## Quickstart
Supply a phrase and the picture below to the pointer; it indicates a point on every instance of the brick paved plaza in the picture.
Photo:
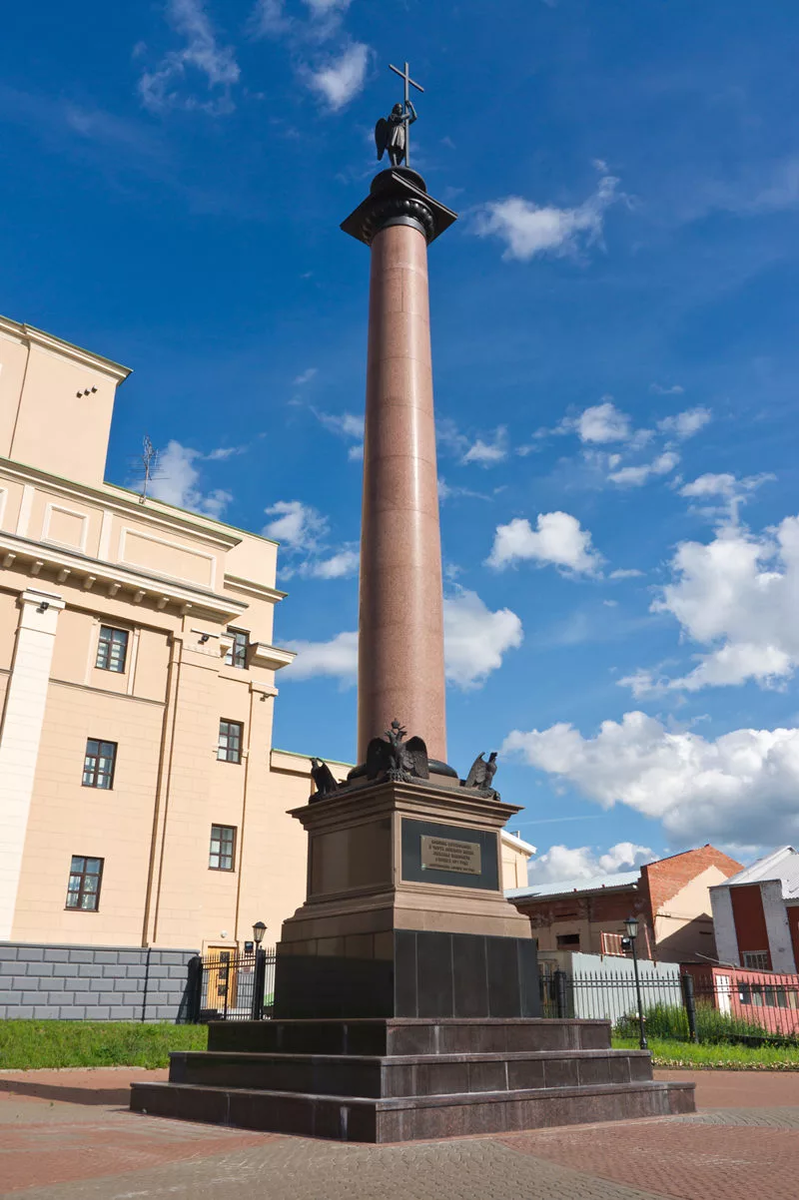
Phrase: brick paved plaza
(66, 1135)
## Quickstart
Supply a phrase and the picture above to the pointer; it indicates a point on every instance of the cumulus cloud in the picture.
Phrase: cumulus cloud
(676, 389)
(171, 84)
(723, 495)
(638, 476)
(685, 424)
(737, 595)
(476, 639)
(725, 790)
(563, 863)
(528, 229)
(345, 425)
(177, 480)
(598, 425)
(626, 573)
(305, 377)
(339, 80)
(475, 642)
(268, 19)
(488, 454)
(298, 526)
(337, 658)
(558, 539)
(340, 565)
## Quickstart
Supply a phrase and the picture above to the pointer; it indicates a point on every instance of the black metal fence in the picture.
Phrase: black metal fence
(230, 985)
(712, 1007)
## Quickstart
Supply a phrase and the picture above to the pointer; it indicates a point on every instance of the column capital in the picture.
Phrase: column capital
(398, 197)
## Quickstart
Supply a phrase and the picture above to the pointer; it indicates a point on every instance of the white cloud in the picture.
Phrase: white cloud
(638, 476)
(267, 19)
(341, 78)
(626, 573)
(686, 424)
(339, 566)
(177, 479)
(675, 390)
(170, 84)
(528, 229)
(355, 453)
(582, 862)
(346, 425)
(598, 425)
(322, 8)
(729, 789)
(475, 641)
(305, 376)
(729, 492)
(488, 454)
(298, 526)
(338, 657)
(558, 539)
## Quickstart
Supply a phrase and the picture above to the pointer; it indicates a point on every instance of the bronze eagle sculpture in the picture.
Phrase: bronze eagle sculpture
(324, 780)
(481, 774)
(393, 758)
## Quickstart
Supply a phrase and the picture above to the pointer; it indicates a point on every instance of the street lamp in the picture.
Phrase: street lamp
(631, 925)
(259, 978)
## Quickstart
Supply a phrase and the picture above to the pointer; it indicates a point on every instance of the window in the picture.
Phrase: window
(83, 890)
(567, 940)
(112, 649)
(229, 749)
(756, 960)
(223, 848)
(237, 654)
(98, 766)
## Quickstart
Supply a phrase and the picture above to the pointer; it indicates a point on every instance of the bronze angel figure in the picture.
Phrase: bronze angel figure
(391, 132)
(481, 774)
(395, 759)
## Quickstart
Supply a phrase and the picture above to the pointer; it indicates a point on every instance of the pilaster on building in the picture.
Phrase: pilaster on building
(137, 684)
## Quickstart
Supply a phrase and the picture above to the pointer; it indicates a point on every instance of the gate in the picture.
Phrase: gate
(235, 986)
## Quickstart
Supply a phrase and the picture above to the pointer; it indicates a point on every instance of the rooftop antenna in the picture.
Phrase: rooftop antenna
(149, 460)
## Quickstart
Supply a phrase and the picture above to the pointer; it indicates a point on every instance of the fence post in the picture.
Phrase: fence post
(194, 989)
(560, 994)
(689, 1000)
(258, 984)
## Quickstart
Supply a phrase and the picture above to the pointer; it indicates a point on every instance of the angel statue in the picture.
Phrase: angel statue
(481, 774)
(396, 760)
(391, 132)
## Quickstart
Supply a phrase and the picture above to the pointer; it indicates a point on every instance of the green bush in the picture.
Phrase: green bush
(25, 1045)
(670, 1022)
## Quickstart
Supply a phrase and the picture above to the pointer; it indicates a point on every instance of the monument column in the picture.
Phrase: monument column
(401, 642)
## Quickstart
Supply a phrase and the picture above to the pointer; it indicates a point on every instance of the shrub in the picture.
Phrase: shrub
(670, 1022)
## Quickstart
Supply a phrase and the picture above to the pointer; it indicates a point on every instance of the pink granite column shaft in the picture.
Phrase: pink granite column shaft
(401, 648)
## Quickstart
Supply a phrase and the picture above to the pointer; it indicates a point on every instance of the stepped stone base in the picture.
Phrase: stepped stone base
(399, 1080)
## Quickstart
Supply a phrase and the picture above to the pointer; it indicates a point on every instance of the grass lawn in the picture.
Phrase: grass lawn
(722, 1056)
(25, 1045)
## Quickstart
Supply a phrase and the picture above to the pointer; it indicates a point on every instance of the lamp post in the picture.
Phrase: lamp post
(259, 978)
(631, 925)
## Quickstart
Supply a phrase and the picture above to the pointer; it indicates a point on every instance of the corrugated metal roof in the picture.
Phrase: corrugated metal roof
(567, 887)
(782, 864)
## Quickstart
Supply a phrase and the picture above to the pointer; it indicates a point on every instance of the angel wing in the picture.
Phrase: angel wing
(416, 757)
(378, 758)
(477, 773)
(382, 132)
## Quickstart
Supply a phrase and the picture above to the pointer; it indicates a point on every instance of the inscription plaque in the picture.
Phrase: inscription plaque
(446, 854)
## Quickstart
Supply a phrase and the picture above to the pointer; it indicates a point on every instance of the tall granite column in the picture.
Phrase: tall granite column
(401, 631)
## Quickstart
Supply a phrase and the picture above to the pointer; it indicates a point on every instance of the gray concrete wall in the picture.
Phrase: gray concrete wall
(91, 983)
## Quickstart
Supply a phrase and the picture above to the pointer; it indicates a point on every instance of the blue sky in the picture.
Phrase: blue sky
(614, 342)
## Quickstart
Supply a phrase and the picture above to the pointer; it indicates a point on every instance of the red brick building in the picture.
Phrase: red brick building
(671, 899)
(756, 914)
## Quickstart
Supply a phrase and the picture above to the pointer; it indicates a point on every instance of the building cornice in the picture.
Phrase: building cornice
(130, 508)
(257, 590)
(143, 584)
(38, 337)
(271, 657)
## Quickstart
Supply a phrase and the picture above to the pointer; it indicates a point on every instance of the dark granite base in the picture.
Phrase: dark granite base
(401, 1079)
(430, 975)
(349, 1119)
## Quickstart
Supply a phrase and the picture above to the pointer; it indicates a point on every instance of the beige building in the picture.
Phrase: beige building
(141, 801)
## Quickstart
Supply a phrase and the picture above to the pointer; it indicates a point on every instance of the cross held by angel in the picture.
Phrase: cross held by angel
(392, 132)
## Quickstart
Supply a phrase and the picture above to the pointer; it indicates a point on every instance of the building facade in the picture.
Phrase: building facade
(756, 914)
(142, 803)
(671, 899)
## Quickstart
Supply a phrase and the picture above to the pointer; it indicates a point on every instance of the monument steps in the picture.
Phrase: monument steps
(410, 1075)
(387, 1080)
(409, 1118)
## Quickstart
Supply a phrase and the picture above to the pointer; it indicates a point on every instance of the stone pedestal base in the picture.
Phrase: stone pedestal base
(395, 1080)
